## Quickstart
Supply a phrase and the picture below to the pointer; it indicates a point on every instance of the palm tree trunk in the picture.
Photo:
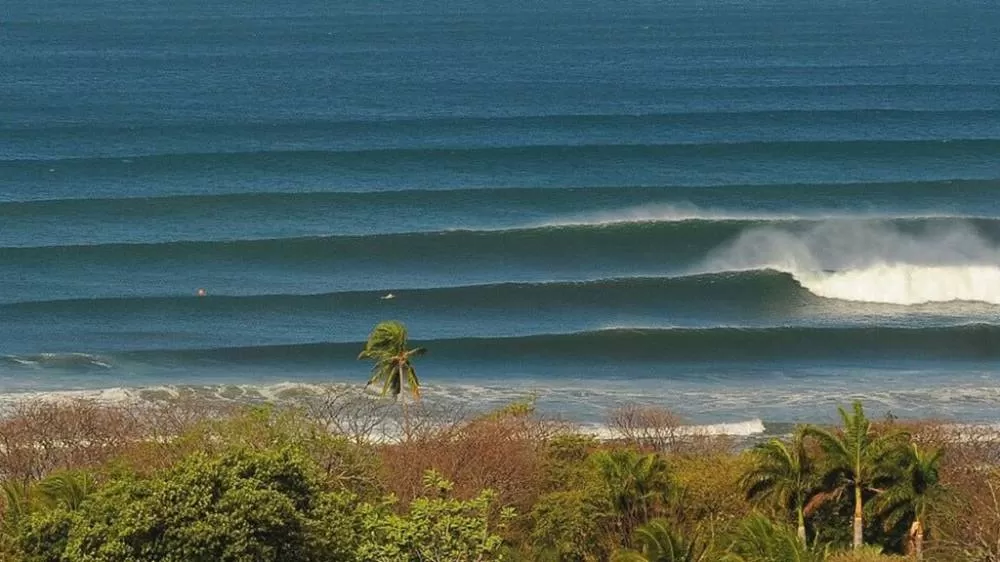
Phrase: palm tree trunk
(917, 539)
(858, 528)
(802, 526)
(406, 419)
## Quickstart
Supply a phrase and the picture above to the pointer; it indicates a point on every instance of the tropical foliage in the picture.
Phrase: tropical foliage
(783, 474)
(758, 539)
(915, 492)
(857, 461)
(638, 486)
(658, 542)
(272, 484)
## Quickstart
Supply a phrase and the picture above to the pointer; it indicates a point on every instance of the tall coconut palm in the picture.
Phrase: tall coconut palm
(784, 474)
(856, 459)
(388, 348)
(917, 489)
(638, 485)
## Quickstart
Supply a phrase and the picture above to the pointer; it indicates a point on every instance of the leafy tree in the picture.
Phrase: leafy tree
(758, 539)
(857, 459)
(241, 506)
(565, 465)
(783, 474)
(916, 491)
(638, 486)
(572, 525)
(659, 543)
(437, 528)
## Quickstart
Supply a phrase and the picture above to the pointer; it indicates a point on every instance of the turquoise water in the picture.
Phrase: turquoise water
(737, 211)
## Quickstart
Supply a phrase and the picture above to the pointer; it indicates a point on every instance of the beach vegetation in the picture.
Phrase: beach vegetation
(657, 541)
(857, 461)
(782, 474)
(760, 539)
(284, 483)
(392, 358)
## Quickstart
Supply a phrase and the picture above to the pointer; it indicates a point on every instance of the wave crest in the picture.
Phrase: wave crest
(879, 262)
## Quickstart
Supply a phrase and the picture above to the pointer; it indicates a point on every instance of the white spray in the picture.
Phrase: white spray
(873, 261)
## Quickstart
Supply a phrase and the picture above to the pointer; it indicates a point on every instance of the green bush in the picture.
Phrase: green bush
(242, 506)
(572, 526)
(436, 528)
(256, 505)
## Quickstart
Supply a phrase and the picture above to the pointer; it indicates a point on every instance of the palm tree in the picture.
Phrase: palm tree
(66, 489)
(638, 485)
(62, 490)
(758, 539)
(387, 347)
(857, 458)
(658, 543)
(783, 474)
(17, 503)
(916, 490)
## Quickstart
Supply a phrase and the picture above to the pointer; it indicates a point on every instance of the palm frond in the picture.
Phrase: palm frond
(412, 382)
(66, 489)
(758, 539)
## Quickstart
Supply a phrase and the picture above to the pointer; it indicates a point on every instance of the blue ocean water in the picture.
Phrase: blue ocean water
(736, 210)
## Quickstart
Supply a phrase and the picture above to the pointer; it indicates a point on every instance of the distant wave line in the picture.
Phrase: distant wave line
(402, 294)
(452, 151)
(971, 340)
(900, 285)
(190, 198)
(664, 216)
(391, 121)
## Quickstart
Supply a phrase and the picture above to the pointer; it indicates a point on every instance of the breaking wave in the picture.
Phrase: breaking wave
(880, 262)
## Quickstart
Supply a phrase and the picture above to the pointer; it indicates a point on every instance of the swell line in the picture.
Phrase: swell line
(971, 341)
(182, 201)
(711, 227)
(909, 148)
(534, 119)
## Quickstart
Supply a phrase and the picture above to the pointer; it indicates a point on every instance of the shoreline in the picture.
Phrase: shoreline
(352, 398)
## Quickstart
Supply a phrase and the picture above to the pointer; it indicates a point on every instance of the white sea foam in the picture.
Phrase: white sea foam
(736, 429)
(659, 212)
(873, 262)
(733, 429)
(63, 360)
(907, 284)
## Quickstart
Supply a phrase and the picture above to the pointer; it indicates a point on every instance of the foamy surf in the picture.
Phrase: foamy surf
(58, 360)
(876, 262)
(732, 429)
(905, 284)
